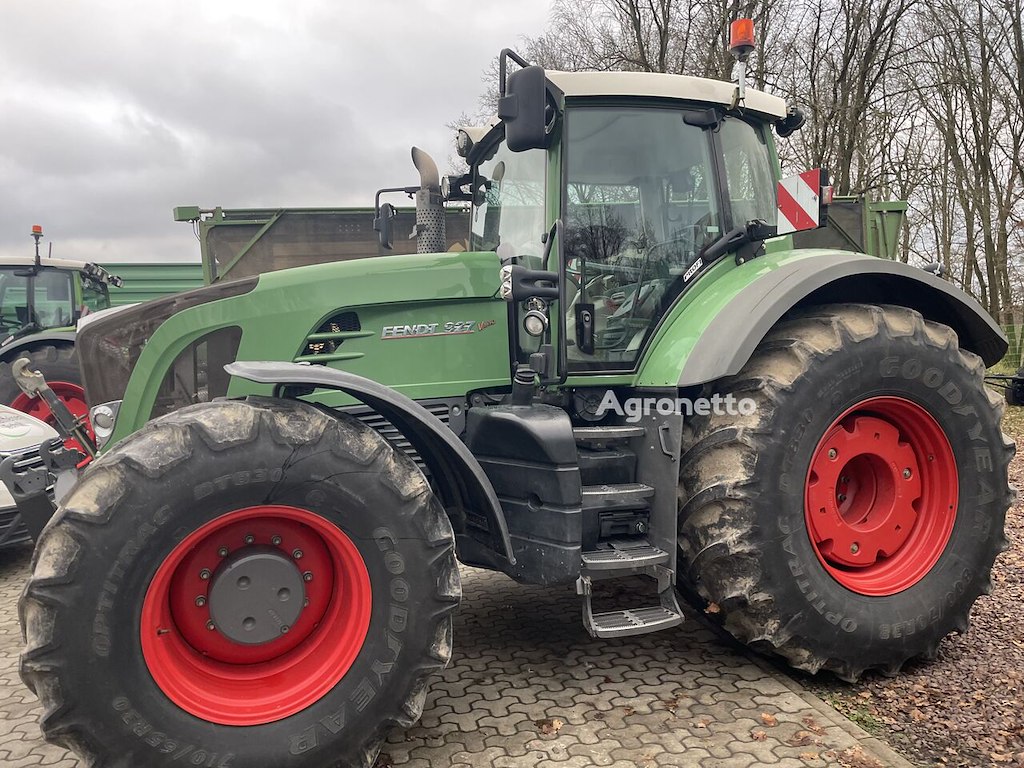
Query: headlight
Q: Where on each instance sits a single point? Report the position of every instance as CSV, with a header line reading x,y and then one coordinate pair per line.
x,y
104,419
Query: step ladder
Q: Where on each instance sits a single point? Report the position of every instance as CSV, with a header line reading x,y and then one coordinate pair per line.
x,y
650,552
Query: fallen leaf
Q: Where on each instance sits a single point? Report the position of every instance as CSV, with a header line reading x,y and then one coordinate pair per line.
x,y
809,756
758,735
549,725
854,757
999,757
704,722
712,608
917,715
812,725
800,739
769,719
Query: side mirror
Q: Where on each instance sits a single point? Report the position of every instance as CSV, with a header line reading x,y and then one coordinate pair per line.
x,y
522,106
383,225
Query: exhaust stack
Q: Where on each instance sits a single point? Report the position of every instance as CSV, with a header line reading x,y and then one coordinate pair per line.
x,y
430,233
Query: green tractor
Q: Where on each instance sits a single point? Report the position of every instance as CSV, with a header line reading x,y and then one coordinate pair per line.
x,y
630,373
41,301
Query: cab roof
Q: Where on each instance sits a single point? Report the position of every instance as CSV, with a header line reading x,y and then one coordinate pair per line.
x,y
27,261
660,85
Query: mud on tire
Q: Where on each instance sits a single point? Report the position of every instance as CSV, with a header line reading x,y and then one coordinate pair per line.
x,y
748,498
82,611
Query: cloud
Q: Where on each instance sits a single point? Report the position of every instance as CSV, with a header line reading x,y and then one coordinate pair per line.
x,y
112,112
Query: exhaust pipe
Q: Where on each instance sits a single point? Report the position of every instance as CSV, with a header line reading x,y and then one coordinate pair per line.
x,y
431,236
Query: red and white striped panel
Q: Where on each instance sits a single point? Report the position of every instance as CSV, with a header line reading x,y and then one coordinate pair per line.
x,y
798,199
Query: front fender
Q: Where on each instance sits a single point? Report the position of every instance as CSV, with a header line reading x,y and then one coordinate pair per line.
x,y
715,331
460,479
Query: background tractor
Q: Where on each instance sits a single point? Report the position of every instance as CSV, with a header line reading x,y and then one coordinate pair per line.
x,y
260,568
41,301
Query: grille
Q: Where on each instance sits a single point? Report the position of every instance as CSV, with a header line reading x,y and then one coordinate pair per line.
x,y
331,334
374,420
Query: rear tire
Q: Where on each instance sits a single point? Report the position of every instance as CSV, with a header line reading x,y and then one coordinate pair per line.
x,y
121,594
59,365
851,519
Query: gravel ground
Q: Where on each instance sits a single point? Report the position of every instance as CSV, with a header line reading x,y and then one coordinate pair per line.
x,y
965,708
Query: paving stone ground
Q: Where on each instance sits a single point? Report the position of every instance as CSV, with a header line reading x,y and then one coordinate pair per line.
x,y
523,664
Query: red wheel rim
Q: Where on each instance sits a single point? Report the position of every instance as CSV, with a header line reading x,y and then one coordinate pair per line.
x,y
881,496
222,681
72,395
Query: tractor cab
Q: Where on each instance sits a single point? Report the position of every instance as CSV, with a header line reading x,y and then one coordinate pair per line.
x,y
626,189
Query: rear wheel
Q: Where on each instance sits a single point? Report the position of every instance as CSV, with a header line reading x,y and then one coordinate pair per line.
x,y
59,366
851,519
252,583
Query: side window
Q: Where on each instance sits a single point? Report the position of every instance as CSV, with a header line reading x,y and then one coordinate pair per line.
x,y
749,172
508,202
94,297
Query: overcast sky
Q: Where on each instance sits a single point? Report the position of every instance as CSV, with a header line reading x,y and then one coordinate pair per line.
x,y
113,112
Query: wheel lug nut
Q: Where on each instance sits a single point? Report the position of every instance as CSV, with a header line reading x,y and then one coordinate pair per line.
x,y
250,539
855,548
297,554
205,574
841,497
844,480
284,629
200,601
907,473
210,625
832,453
307,576
275,540
223,551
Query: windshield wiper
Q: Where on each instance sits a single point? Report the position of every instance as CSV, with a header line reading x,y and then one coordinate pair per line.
x,y
752,232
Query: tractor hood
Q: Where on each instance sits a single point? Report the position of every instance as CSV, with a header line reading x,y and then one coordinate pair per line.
x,y
426,324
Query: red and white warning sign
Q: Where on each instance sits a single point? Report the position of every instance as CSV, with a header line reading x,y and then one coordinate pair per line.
x,y
798,201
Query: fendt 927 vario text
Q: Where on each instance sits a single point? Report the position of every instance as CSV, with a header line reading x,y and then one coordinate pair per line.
x,y
628,372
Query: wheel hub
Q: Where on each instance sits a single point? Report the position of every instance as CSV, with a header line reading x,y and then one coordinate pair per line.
x,y
256,595
881,495
863,485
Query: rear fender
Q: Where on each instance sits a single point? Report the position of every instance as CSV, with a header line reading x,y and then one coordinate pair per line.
x,y
715,333
458,477
47,338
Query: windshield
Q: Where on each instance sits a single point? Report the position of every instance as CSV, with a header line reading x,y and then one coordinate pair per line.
x,y
640,206
52,299
508,202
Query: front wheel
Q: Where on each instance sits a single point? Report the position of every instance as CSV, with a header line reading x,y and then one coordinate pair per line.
x,y
847,514
257,584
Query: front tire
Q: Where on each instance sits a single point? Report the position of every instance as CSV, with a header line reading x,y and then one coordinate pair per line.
x,y
255,584
851,518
